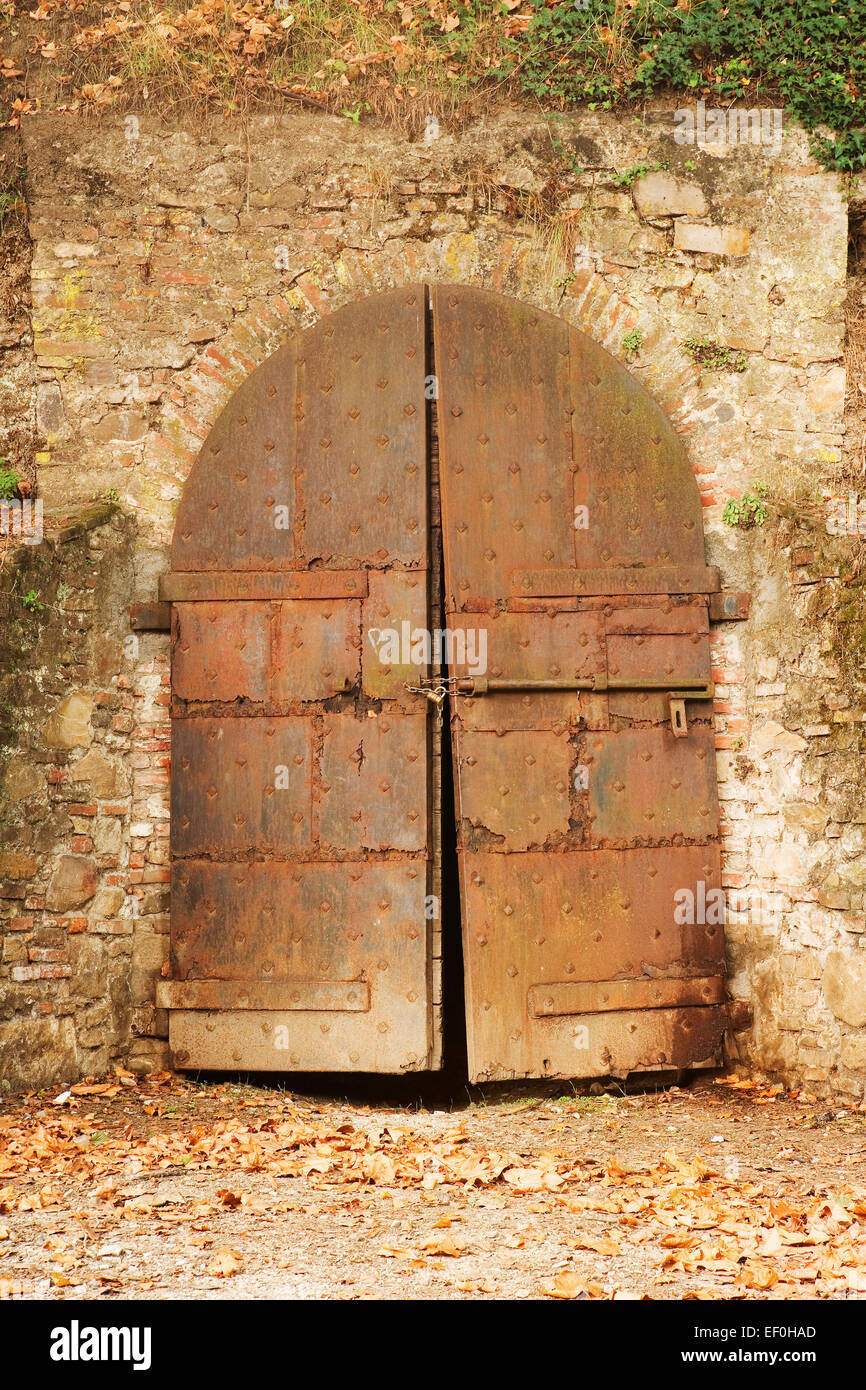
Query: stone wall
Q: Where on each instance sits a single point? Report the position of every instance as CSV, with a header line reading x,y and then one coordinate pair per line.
x,y
167,265
65,812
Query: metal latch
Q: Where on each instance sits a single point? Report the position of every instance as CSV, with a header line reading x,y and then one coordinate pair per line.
x,y
679,723
471,686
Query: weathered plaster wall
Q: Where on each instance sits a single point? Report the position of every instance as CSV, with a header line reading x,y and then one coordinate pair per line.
x,y
168,265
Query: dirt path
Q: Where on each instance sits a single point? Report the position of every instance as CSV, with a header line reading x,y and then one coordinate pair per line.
x,y
168,1189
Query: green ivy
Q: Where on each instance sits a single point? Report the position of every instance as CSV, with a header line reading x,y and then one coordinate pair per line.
x,y
806,55
811,52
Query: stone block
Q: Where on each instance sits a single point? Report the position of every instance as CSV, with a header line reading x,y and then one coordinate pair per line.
x,y
69,725
844,984
74,881
716,241
661,194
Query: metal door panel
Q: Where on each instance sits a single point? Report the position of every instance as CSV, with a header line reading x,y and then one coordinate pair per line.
x,y
301,838
394,612
227,792
299,919
374,785
221,651
292,921
576,809
301,1041
507,496
580,917
544,644
647,787
513,789
362,435
600,1044
317,649
675,657
227,518
632,475
588,916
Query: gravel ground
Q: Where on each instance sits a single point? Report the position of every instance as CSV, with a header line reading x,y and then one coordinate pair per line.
x,y
167,1188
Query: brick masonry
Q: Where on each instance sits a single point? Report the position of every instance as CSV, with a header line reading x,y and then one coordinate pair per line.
x,y
168,264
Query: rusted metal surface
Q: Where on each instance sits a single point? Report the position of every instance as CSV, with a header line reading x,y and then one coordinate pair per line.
x,y
227,519
280,653
282,921
301,838
632,475
221,651
150,617
505,442
514,787
316,649
373,783
580,825
395,597
601,1044
346,996
645,785
224,797
240,587
651,579
574,916
730,607
604,996
362,435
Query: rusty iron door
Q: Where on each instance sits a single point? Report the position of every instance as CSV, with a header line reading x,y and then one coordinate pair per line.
x,y
583,742
302,833
306,832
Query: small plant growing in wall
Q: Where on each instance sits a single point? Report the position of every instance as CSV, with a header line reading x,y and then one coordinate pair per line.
x,y
637,171
706,353
30,600
748,510
9,481
632,343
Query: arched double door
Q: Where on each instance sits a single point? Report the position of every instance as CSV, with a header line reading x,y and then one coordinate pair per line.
x,y
442,524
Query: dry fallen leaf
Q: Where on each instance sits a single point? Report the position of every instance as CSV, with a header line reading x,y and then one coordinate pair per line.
x,y
604,1245
443,1245
228,1198
224,1263
756,1276
771,1243
567,1284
